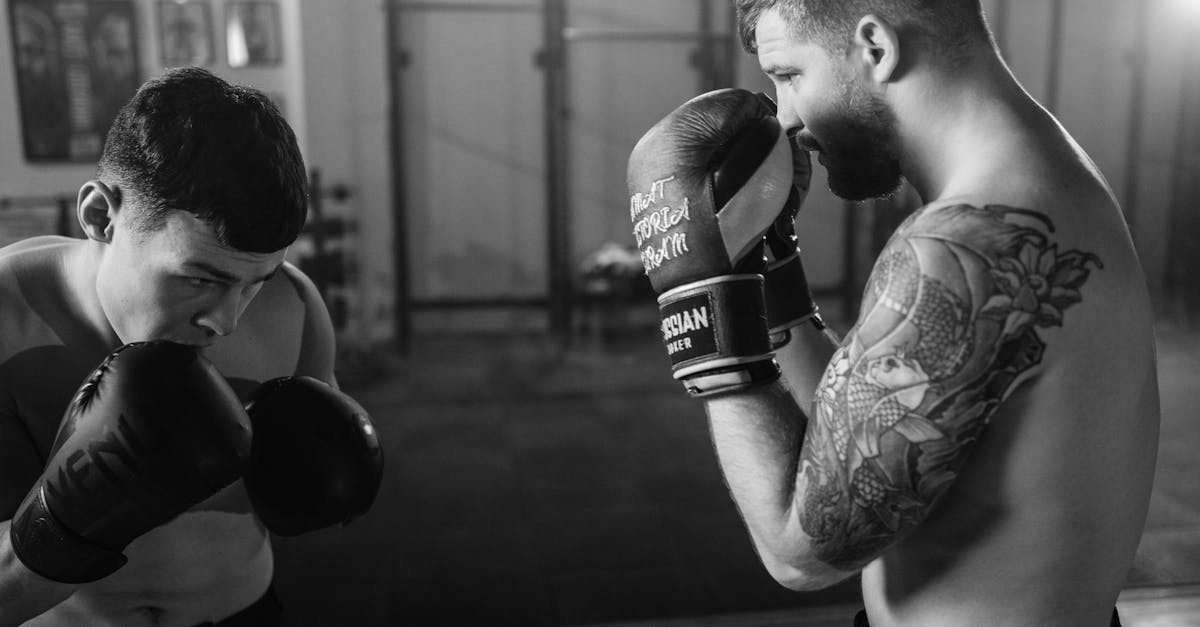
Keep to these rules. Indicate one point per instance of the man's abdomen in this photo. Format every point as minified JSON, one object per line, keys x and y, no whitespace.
{"x":203,"y":566}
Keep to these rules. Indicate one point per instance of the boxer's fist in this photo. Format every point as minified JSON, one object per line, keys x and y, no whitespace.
{"x":316,"y":460}
{"x":154,"y":430}
{"x":781,"y":236}
{"x":789,"y":300}
{"x":705,"y":184}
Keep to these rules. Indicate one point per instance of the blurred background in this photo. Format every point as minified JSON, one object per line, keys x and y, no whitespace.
{"x":469,"y":232}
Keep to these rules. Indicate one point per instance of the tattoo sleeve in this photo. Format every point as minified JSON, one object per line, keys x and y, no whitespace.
{"x":948,"y":326}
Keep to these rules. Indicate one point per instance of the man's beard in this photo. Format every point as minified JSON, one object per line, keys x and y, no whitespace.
{"x":863,"y":160}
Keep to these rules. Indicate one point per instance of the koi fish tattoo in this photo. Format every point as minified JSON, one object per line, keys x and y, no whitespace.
{"x":948,"y":325}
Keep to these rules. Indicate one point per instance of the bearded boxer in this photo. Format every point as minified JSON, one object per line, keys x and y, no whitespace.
{"x":152,"y":505}
{"x":981,"y":444}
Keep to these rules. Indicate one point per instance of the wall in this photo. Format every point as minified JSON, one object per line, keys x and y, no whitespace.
{"x":1169,"y":67}
{"x":474,"y":156}
{"x":344,"y":93}
{"x":21,"y":178}
{"x":475,"y":169}
{"x":474,"y":162}
{"x":1095,"y":92}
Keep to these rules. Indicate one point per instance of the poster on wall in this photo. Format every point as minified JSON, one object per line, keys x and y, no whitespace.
{"x":252,"y":33}
{"x":185,"y":32}
{"x":76,"y":64}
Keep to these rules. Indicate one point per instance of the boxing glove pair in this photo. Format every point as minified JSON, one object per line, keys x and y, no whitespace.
{"x":155,"y":429}
{"x":714,"y":186}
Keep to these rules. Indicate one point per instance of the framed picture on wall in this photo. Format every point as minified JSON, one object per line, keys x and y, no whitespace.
{"x":76,"y":65}
{"x":252,"y":33}
{"x":185,"y":32}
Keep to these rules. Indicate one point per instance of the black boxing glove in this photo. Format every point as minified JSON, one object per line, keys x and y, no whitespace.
{"x":705,"y":184}
{"x":789,"y":299}
{"x":154,"y":430}
{"x":315,"y":461}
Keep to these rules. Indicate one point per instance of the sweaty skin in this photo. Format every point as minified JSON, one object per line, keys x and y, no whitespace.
{"x":214,"y":559}
{"x":981,"y":445}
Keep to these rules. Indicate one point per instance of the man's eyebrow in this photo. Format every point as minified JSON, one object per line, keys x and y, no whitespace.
{"x":230,"y":278}
{"x":777,"y":68}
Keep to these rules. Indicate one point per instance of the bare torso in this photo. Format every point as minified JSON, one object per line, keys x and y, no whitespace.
{"x":209,"y":562}
{"x":1043,"y":521}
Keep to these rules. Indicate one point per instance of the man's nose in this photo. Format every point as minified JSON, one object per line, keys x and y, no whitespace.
{"x":221,"y":318}
{"x":783,"y":112}
{"x":788,"y":118}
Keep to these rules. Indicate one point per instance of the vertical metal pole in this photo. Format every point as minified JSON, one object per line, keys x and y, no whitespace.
{"x":316,"y":229}
{"x":558,"y":208}
{"x":1182,"y":250}
{"x":733,"y":48}
{"x":705,"y":56}
{"x":1055,"y":55}
{"x":64,"y":216}
{"x":402,"y":320}
{"x":1133,"y":139}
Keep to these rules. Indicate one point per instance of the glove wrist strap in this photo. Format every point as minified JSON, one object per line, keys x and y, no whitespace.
{"x":735,"y":379}
{"x":788,"y":299}
{"x":718,"y":327}
{"x":55,"y":552}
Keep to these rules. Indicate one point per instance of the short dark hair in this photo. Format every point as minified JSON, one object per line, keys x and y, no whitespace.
{"x":191,"y":141}
{"x":950,"y":25}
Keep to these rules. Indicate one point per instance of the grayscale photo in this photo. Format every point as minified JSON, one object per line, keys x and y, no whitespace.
{"x":599,"y":313}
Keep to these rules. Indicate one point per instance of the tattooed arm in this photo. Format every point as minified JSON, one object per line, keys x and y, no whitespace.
{"x":947,"y":331}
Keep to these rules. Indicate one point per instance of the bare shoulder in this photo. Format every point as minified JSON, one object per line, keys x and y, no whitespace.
{"x":34,"y":256}
{"x":317,"y":348}
{"x":1028,"y":263}
{"x":30,"y":281}
{"x":40,"y":242}
{"x":304,"y":287}
{"x":285,"y":331}
{"x":1071,"y":212}
{"x":991,"y":257}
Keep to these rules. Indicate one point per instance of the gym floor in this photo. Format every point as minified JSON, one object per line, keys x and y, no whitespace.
{"x":529,"y":485}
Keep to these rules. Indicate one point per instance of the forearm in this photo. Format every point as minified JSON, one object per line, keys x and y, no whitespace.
{"x":23,"y":593}
{"x":802,"y":361}
{"x":758,"y":436}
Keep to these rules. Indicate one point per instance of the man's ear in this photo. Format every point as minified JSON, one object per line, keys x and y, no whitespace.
{"x":97,"y":208}
{"x":879,"y":45}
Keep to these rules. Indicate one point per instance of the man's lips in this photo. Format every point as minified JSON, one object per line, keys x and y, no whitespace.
{"x":803,"y":140}
{"x":808,"y":145}
{"x":194,"y":343}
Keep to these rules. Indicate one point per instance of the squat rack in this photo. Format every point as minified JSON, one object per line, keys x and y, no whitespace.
{"x":551,"y":59}
{"x":714,"y":60}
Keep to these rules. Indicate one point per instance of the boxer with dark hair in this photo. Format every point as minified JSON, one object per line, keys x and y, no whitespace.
{"x":981,"y":444}
{"x":128,"y":489}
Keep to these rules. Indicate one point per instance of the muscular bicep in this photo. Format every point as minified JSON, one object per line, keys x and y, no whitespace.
{"x":317,"y":348}
{"x":948,"y":328}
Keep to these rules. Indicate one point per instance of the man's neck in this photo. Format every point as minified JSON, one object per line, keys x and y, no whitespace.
{"x":954,"y":126}
{"x":81,"y":267}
